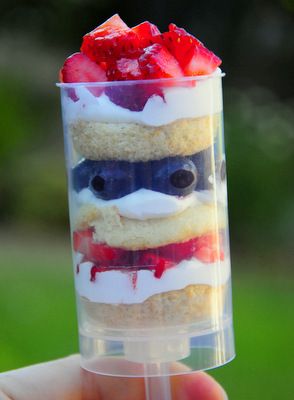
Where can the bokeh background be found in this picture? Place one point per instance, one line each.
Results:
(255, 41)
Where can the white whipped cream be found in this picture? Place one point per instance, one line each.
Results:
(142, 204)
(179, 102)
(117, 287)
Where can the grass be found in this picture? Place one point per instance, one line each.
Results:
(38, 322)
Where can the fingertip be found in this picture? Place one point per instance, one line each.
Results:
(198, 386)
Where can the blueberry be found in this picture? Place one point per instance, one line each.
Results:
(81, 173)
(174, 176)
(113, 179)
(106, 179)
(203, 163)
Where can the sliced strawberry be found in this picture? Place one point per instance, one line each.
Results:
(97, 252)
(81, 240)
(206, 248)
(202, 62)
(209, 248)
(114, 23)
(124, 69)
(179, 251)
(208, 240)
(104, 254)
(193, 57)
(146, 32)
(158, 62)
(209, 255)
(112, 46)
(79, 68)
(178, 42)
(111, 40)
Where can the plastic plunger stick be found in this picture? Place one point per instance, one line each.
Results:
(156, 355)
(157, 381)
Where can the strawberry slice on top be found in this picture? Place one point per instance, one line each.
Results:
(146, 33)
(194, 58)
(115, 52)
(111, 40)
(79, 68)
(124, 69)
(158, 62)
(202, 62)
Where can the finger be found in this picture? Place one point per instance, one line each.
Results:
(197, 386)
(60, 379)
(188, 386)
(64, 380)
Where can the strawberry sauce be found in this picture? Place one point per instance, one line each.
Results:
(206, 248)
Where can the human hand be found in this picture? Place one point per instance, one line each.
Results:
(64, 380)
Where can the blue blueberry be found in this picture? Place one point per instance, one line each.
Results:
(113, 179)
(81, 173)
(106, 179)
(175, 176)
(203, 163)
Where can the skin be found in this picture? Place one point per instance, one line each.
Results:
(64, 380)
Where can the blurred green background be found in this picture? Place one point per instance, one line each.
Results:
(255, 41)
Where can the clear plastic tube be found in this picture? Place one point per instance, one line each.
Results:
(148, 211)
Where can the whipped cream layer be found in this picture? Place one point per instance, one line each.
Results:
(118, 287)
(142, 204)
(146, 204)
(205, 98)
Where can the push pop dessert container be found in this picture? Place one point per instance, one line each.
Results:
(149, 227)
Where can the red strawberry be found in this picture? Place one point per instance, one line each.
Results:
(146, 33)
(113, 39)
(202, 62)
(103, 254)
(81, 240)
(158, 62)
(178, 42)
(178, 251)
(97, 252)
(124, 69)
(111, 24)
(209, 248)
(209, 240)
(79, 68)
(194, 58)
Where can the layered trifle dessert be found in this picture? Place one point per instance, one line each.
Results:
(143, 112)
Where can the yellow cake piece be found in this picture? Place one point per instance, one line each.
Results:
(136, 142)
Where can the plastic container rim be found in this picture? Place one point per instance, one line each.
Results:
(142, 82)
